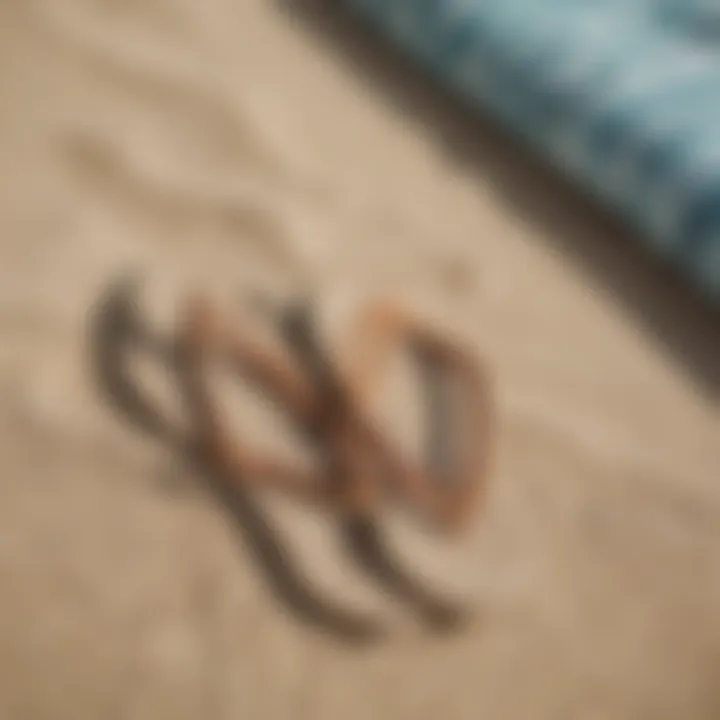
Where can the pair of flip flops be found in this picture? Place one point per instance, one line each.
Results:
(360, 468)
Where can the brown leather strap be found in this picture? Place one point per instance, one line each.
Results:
(332, 403)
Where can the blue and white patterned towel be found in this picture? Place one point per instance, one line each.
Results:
(622, 95)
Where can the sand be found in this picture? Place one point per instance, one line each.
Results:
(244, 145)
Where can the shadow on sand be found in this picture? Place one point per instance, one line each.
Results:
(116, 330)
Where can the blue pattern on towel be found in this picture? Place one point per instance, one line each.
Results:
(622, 95)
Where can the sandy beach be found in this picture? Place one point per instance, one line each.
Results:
(255, 145)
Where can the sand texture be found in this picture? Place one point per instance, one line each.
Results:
(253, 145)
